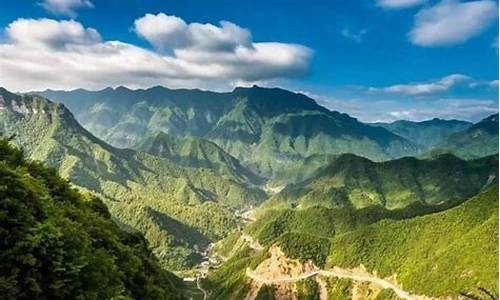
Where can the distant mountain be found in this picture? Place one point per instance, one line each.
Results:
(58, 243)
(481, 139)
(197, 153)
(352, 181)
(425, 134)
(176, 207)
(267, 129)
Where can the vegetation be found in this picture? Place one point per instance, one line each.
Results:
(479, 140)
(60, 244)
(178, 209)
(266, 292)
(198, 153)
(425, 134)
(352, 181)
(338, 288)
(200, 156)
(451, 243)
(307, 289)
(454, 248)
(269, 130)
(230, 281)
(304, 247)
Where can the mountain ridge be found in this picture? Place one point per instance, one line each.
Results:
(131, 183)
(428, 133)
(267, 129)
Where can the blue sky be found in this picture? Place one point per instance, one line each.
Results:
(374, 59)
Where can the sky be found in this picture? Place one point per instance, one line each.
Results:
(377, 60)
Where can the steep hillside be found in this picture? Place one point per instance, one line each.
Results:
(479, 140)
(266, 129)
(352, 181)
(440, 254)
(198, 153)
(154, 195)
(425, 134)
(433, 251)
(60, 244)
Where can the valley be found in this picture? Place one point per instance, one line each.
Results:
(249, 150)
(264, 194)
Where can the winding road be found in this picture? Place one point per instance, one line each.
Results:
(198, 285)
(340, 273)
(334, 272)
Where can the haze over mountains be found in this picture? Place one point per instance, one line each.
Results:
(266, 129)
(182, 167)
(425, 134)
(249, 150)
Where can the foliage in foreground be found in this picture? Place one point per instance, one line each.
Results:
(60, 244)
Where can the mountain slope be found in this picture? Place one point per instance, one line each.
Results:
(197, 153)
(435, 251)
(479, 140)
(58, 243)
(266, 129)
(440, 254)
(351, 181)
(426, 134)
(141, 190)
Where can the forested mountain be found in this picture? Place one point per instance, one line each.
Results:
(176, 207)
(60, 244)
(198, 153)
(481, 139)
(358, 182)
(266, 129)
(428, 251)
(185, 164)
(439, 255)
(425, 134)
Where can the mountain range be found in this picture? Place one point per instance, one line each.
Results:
(155, 195)
(426, 134)
(266, 129)
(476, 141)
(260, 180)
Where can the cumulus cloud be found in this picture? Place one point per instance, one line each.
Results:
(354, 36)
(399, 4)
(49, 33)
(65, 7)
(44, 53)
(164, 32)
(427, 88)
(451, 22)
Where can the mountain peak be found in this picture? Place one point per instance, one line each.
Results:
(7, 94)
(491, 118)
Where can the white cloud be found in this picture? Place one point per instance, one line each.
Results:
(50, 33)
(399, 4)
(389, 111)
(451, 22)
(484, 83)
(171, 32)
(355, 36)
(462, 109)
(162, 31)
(43, 53)
(65, 7)
(427, 88)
